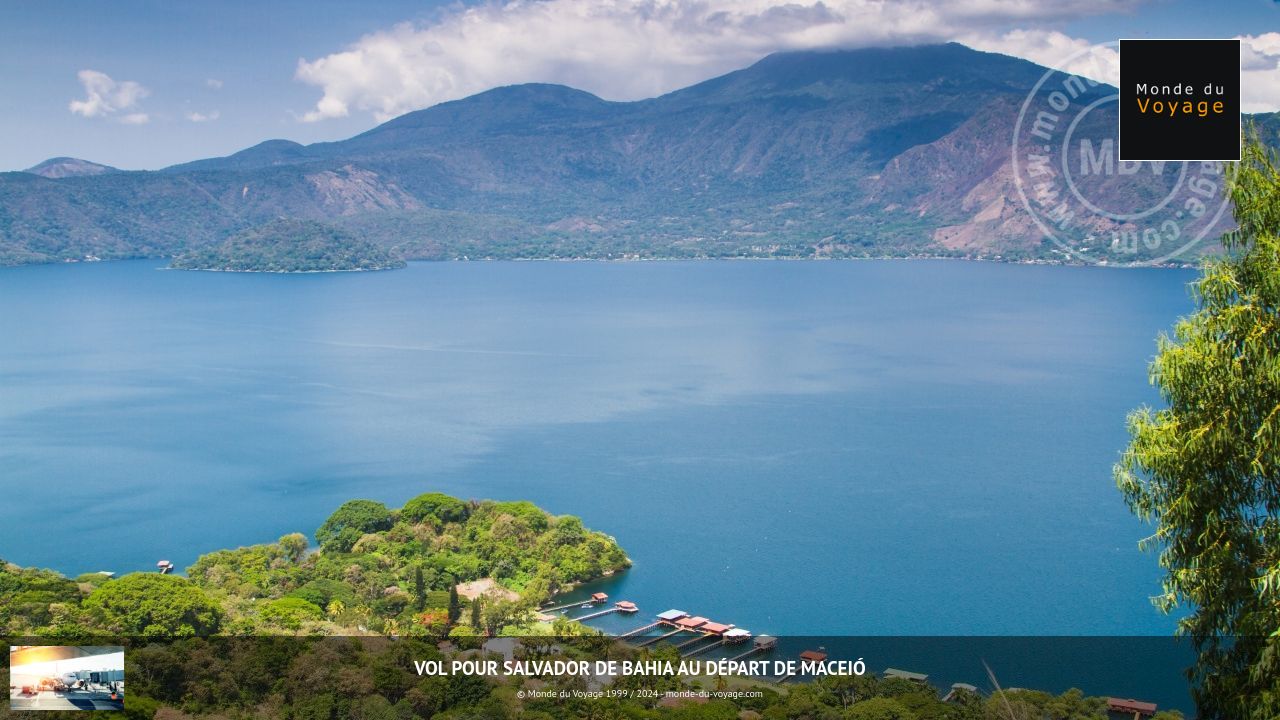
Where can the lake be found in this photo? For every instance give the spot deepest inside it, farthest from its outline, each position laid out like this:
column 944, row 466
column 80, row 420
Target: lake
column 867, row 448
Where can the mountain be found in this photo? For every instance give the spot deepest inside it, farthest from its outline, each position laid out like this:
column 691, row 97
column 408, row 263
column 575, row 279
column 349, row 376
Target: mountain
column 872, row 152
column 61, row 167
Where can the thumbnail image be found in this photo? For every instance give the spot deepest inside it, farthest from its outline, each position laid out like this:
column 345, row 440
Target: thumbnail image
column 66, row 677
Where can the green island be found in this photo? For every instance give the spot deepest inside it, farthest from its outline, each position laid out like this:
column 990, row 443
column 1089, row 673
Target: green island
column 289, row 246
column 283, row 630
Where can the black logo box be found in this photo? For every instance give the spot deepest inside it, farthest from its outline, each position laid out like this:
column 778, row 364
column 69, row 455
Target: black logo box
column 1187, row 68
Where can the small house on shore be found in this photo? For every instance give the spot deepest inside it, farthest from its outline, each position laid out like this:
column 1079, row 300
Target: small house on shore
column 691, row 623
column 1130, row 708
column 905, row 675
column 958, row 689
column 766, row 642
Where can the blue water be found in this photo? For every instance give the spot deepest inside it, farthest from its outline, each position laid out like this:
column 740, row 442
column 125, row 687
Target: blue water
column 798, row 448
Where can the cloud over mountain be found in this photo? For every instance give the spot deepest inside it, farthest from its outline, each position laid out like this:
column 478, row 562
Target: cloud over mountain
column 630, row 49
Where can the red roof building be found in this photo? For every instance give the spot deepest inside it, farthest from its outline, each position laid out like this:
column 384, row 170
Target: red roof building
column 625, row 606
column 691, row 623
column 715, row 627
column 813, row 656
column 599, row 597
column 1136, row 708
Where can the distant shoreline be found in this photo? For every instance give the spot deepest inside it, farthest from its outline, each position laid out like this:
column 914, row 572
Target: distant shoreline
column 1047, row 263
column 264, row 272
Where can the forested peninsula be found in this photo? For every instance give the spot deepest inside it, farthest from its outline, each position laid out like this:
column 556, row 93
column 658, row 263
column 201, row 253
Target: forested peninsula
column 289, row 246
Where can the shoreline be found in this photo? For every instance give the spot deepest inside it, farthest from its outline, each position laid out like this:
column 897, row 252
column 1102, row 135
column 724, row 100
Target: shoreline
column 260, row 272
column 623, row 260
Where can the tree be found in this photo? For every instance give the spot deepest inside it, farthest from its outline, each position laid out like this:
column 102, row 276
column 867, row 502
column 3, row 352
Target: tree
column 419, row 589
column 294, row 546
column 335, row 608
column 433, row 622
column 350, row 521
column 1206, row 468
column 154, row 605
column 878, row 708
column 475, row 613
column 455, row 604
column 441, row 507
column 290, row 612
column 499, row 612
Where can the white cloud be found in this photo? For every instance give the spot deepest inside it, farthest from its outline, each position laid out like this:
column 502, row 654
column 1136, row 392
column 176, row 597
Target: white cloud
column 1260, row 72
column 105, row 97
column 1259, row 61
column 629, row 49
column 214, row 83
column 1053, row 49
column 199, row 117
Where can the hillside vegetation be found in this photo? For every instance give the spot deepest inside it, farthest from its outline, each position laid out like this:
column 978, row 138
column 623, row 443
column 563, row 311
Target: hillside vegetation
column 285, row 245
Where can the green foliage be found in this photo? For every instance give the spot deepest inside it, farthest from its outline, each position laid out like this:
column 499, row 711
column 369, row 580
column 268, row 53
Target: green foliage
column 93, row 580
column 288, row 245
column 437, row 506
column 249, row 571
column 419, row 590
column 28, row 597
column 1206, row 468
column 401, row 564
column 455, row 604
column 140, row 707
column 879, row 708
column 323, row 591
column 349, row 522
column 154, row 605
column 290, row 612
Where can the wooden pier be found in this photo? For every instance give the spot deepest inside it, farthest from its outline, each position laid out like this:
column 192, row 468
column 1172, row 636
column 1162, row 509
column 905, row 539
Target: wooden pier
column 622, row 606
column 698, row 639
column 748, row 653
column 596, row 614
column 639, row 630
column 704, row 648
column 566, row 606
column 653, row 640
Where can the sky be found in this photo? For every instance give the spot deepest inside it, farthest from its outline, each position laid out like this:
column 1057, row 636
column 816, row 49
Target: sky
column 143, row 84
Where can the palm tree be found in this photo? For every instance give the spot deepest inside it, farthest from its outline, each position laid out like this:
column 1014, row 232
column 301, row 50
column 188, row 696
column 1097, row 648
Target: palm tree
column 335, row 608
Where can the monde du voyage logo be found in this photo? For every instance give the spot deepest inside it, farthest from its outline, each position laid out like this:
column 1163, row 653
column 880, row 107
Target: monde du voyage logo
column 1135, row 174
column 1180, row 100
